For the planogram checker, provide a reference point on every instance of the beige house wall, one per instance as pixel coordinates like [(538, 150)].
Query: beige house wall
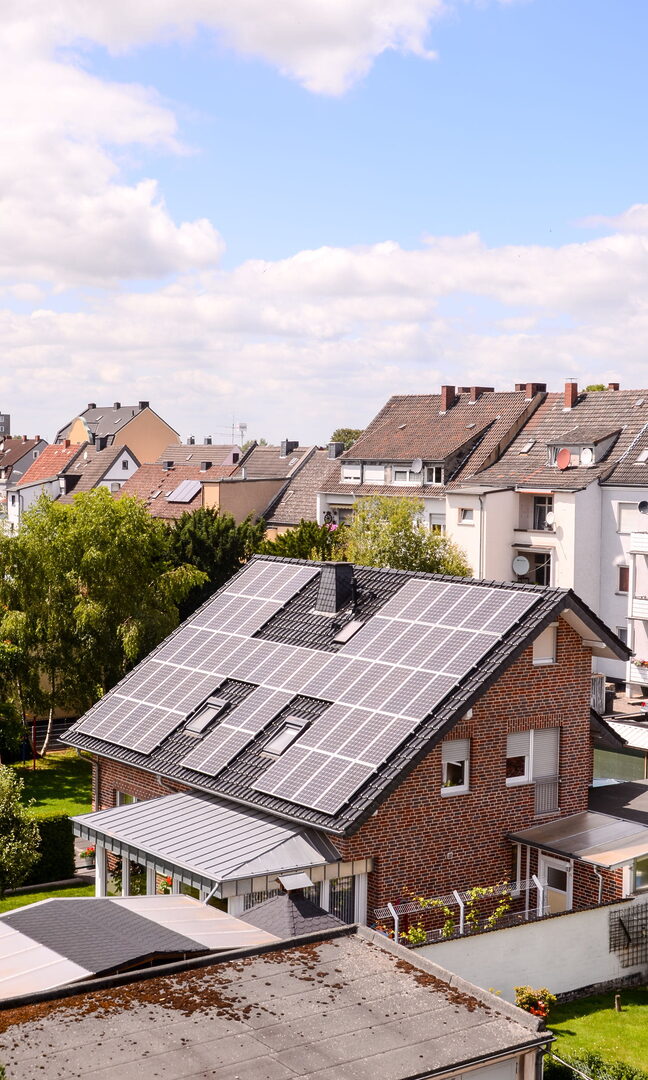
[(240, 497), (146, 435), (78, 432)]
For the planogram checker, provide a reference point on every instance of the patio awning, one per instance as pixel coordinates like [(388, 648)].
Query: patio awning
[(206, 841), (599, 839)]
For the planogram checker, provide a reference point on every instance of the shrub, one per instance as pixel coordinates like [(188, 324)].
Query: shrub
[(12, 733), (538, 1002), (56, 858), (19, 837), (592, 1065)]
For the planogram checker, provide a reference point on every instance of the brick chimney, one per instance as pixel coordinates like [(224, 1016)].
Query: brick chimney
[(477, 391), (117, 405), (143, 405), (531, 389), (571, 393), (92, 404), (448, 398), (613, 385)]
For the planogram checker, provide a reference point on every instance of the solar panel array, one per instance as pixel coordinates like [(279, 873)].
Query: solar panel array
[(383, 682), (185, 491), (235, 732), (158, 695)]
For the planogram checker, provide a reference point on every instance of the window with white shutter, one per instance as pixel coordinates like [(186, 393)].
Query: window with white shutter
[(455, 758), (532, 755), (518, 752), (544, 646), (545, 753)]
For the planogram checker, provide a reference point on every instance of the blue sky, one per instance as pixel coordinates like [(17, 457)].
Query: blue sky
[(199, 293)]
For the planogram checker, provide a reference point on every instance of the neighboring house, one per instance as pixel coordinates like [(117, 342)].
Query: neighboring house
[(191, 453), (629, 762), (297, 500), (170, 490), (16, 457), (379, 730), (5, 426), (337, 1004), (135, 426), (262, 474), (419, 444), (63, 470)]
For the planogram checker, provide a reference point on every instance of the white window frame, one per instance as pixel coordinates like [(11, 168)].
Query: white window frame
[(410, 477), (436, 523), (434, 469), (642, 889), (461, 757), (285, 736), (545, 654), (529, 778), (351, 474), (124, 798), (378, 478), (465, 515)]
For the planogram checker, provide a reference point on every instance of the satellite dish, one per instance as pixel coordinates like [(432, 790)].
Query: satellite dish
[(521, 565), (563, 459), (587, 456), (550, 518), (643, 507), (417, 465)]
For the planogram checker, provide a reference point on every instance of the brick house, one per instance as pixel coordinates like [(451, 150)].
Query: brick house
[(379, 730)]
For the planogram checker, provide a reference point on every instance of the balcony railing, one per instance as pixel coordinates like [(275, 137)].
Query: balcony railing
[(639, 543), (640, 607), (546, 795)]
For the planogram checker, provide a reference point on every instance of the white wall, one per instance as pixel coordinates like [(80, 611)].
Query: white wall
[(587, 545), (500, 519), (615, 544), (117, 473), (563, 954)]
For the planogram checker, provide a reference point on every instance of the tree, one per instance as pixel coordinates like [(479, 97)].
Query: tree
[(19, 836), (387, 531), (595, 386), (86, 591), (309, 541), (252, 442), (215, 545), (347, 435)]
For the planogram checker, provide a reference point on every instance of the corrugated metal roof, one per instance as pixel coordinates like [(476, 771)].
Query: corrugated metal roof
[(594, 838), (212, 838), (633, 735)]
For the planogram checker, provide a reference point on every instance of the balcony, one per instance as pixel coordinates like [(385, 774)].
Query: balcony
[(640, 607), (637, 674), (639, 543), (546, 795)]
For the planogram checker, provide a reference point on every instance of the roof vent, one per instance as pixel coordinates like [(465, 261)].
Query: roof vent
[(287, 447), (335, 449), (168, 465), (208, 440), (92, 404), (117, 405), (143, 405), (336, 587), (204, 465)]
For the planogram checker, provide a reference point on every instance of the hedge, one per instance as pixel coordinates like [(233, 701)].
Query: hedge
[(56, 860), (592, 1065)]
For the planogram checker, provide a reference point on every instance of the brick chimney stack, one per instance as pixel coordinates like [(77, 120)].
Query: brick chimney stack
[(613, 385), (448, 398), (531, 389), (477, 391), (571, 393)]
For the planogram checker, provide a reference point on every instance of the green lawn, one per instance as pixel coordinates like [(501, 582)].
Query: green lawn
[(593, 1024), (20, 900), (60, 784)]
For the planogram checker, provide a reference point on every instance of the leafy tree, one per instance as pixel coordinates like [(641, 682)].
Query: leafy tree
[(309, 541), (347, 435), (12, 732), (215, 545), (86, 591), (251, 442), (19, 837), (386, 531), (595, 386)]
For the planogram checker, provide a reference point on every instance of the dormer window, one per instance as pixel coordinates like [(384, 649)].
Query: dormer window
[(351, 474), (434, 474), (405, 476), (373, 474)]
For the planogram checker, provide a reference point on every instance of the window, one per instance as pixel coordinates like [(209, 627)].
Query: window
[(622, 633), (466, 515), (115, 485), (374, 474), (342, 899), (405, 476), (532, 755), (125, 463), (542, 505), (351, 474), (544, 646), (539, 572), (434, 474), (436, 523), (208, 712), (623, 583), (122, 798), (34, 454), (282, 739), (455, 760), (641, 874)]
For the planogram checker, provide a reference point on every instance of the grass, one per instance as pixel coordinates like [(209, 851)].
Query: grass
[(60, 784), (593, 1024), (10, 903)]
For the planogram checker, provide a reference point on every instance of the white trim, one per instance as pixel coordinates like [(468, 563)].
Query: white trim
[(360, 901), (100, 870), (236, 906), (125, 875), (150, 880), (325, 895), (566, 866)]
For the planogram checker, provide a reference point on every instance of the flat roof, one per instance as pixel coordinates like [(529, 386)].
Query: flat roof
[(328, 1007), (600, 839)]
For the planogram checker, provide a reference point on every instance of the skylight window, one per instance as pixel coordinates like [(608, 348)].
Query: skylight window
[(639, 401), (347, 632), (208, 712), (285, 737), (643, 456), (528, 446)]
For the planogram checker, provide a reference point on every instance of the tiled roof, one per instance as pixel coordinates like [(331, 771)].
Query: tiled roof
[(185, 454), (104, 421), (49, 464), (299, 499), (152, 479), (89, 468), (597, 412), (13, 450), (298, 624), (267, 462)]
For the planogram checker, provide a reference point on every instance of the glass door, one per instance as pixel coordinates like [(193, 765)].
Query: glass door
[(556, 876)]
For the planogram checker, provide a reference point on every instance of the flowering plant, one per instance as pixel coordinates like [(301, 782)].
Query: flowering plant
[(640, 663), (165, 885), (538, 1002), (88, 853)]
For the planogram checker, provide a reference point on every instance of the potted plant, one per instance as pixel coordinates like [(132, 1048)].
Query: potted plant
[(88, 856)]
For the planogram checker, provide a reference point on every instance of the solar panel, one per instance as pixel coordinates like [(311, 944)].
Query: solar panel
[(184, 492), (237, 730)]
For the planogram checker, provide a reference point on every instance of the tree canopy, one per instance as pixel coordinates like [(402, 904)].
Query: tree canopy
[(19, 835), (309, 541), (346, 435), (386, 531), (596, 386)]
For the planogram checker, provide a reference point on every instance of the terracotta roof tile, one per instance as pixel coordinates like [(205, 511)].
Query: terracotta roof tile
[(266, 462), (150, 479), (299, 500), (13, 450), (49, 464)]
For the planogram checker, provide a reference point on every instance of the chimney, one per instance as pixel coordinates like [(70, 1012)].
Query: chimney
[(101, 441), (448, 398), (166, 465), (92, 404), (477, 391), (571, 393), (335, 449), (208, 440), (117, 405), (235, 457), (66, 442), (613, 386), (191, 441), (143, 405), (204, 465), (24, 438), (463, 389), (335, 587), (287, 447), (36, 438)]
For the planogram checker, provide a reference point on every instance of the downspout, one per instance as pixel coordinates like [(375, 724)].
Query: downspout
[(599, 875)]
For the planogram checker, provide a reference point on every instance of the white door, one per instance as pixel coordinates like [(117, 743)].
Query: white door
[(556, 876)]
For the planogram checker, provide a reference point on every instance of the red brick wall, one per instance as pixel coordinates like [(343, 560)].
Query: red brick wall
[(430, 843)]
